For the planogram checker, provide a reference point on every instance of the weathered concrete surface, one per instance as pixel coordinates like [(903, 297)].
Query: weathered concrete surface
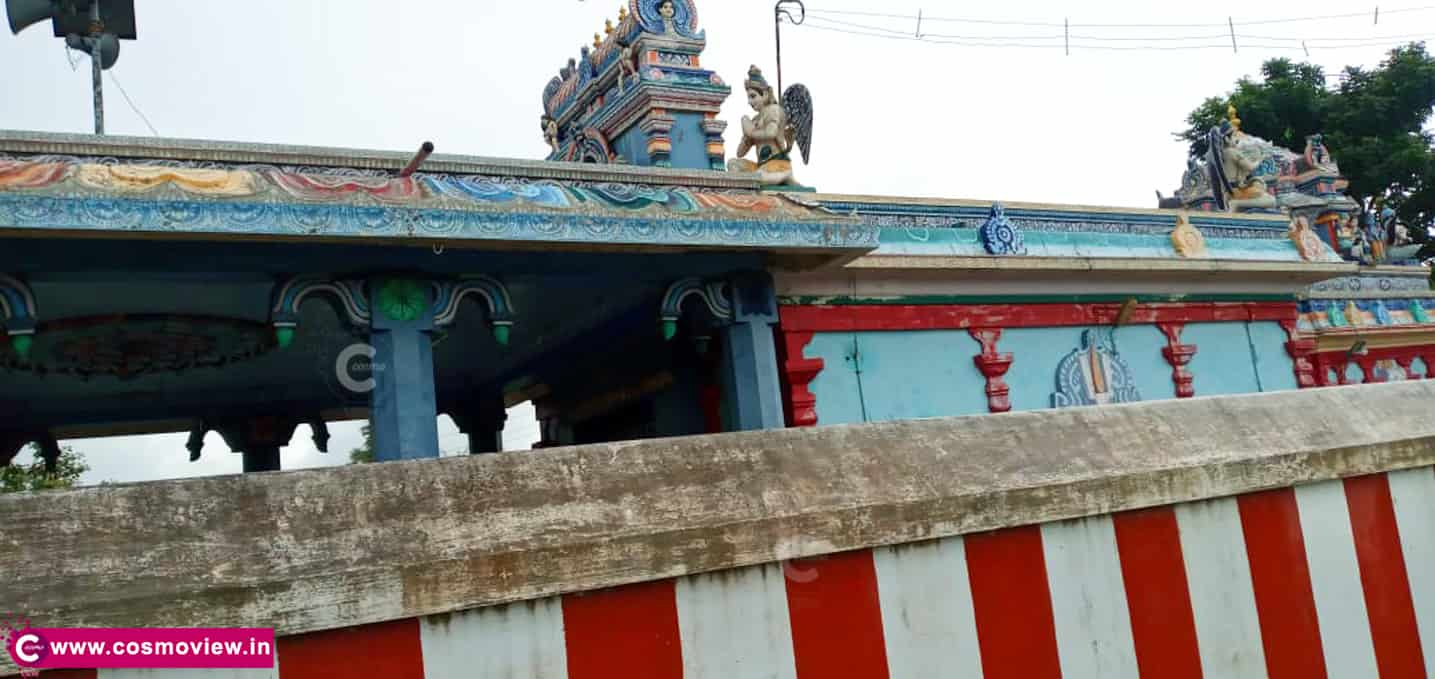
[(314, 550)]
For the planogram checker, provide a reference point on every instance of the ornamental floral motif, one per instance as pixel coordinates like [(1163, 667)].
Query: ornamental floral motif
[(401, 299)]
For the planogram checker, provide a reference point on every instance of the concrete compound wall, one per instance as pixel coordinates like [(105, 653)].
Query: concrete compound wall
[(1220, 537)]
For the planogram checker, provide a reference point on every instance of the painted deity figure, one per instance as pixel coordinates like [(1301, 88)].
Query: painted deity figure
[(773, 129), (667, 11), (1233, 160), (627, 64)]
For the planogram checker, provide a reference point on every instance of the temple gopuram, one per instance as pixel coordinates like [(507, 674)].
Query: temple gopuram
[(641, 282)]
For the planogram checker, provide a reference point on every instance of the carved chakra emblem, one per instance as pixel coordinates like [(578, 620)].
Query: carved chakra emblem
[(1187, 239), (999, 235)]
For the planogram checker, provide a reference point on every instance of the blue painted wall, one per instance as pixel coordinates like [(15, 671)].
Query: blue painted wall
[(1273, 364), (690, 145), (1225, 359), (632, 145), (876, 376), (1038, 351), (919, 374), (839, 396)]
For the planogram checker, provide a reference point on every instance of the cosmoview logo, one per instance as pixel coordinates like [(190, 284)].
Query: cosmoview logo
[(354, 368), (26, 646), (350, 372)]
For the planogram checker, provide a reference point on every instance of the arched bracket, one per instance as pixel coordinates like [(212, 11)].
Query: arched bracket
[(18, 314), (714, 294), (351, 299), (448, 295), (233, 435), (348, 295)]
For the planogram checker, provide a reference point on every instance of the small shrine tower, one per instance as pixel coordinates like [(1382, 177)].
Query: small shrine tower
[(639, 95)]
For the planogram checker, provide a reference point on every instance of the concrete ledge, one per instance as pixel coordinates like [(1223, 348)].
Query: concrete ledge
[(1292, 271), (322, 549)]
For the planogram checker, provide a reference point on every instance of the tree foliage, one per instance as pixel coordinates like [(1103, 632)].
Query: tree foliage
[(365, 453), (17, 478), (1373, 122)]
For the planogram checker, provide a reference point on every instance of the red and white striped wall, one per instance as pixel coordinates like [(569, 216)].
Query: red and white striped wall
[(1334, 579)]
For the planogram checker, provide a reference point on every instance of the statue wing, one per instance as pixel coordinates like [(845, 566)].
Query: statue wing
[(1216, 166), (797, 103)]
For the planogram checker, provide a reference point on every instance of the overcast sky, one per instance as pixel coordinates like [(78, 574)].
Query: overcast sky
[(892, 116)]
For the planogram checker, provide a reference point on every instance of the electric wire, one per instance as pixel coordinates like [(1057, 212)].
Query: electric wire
[(1004, 22), (1095, 42), (131, 102)]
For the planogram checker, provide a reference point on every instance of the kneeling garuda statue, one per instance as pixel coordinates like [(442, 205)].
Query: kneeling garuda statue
[(773, 129)]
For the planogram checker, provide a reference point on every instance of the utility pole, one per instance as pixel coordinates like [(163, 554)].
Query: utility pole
[(97, 28), (780, 10)]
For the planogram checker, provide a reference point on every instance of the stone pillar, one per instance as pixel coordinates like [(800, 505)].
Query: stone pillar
[(482, 419), (754, 389), (257, 438), (553, 429), (403, 406), (11, 442)]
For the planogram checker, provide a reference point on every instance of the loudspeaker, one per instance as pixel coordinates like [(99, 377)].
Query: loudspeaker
[(25, 13), (109, 47)]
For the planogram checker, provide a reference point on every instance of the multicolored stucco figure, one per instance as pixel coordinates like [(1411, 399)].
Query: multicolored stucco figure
[(773, 130)]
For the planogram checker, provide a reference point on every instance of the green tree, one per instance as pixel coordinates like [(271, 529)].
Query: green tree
[(1373, 122), (68, 469), (365, 453)]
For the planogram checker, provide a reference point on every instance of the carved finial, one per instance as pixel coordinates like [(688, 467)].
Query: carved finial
[(597, 41), (622, 13), (607, 27), (1231, 116)]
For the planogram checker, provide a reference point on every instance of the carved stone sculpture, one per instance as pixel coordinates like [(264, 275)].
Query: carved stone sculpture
[(1234, 160), (773, 129), (1244, 173), (667, 11), (627, 64), (550, 133)]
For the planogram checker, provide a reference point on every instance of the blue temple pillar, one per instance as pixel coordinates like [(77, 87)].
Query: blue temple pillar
[(754, 394), (403, 406)]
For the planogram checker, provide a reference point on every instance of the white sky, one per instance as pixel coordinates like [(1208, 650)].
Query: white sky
[(892, 117)]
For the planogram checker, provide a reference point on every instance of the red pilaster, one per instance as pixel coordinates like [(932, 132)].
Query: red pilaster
[(1367, 369), (1300, 350), (798, 372), (1179, 356), (994, 366)]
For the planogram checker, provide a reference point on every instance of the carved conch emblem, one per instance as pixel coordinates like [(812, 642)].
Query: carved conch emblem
[(1187, 239), (1308, 244)]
